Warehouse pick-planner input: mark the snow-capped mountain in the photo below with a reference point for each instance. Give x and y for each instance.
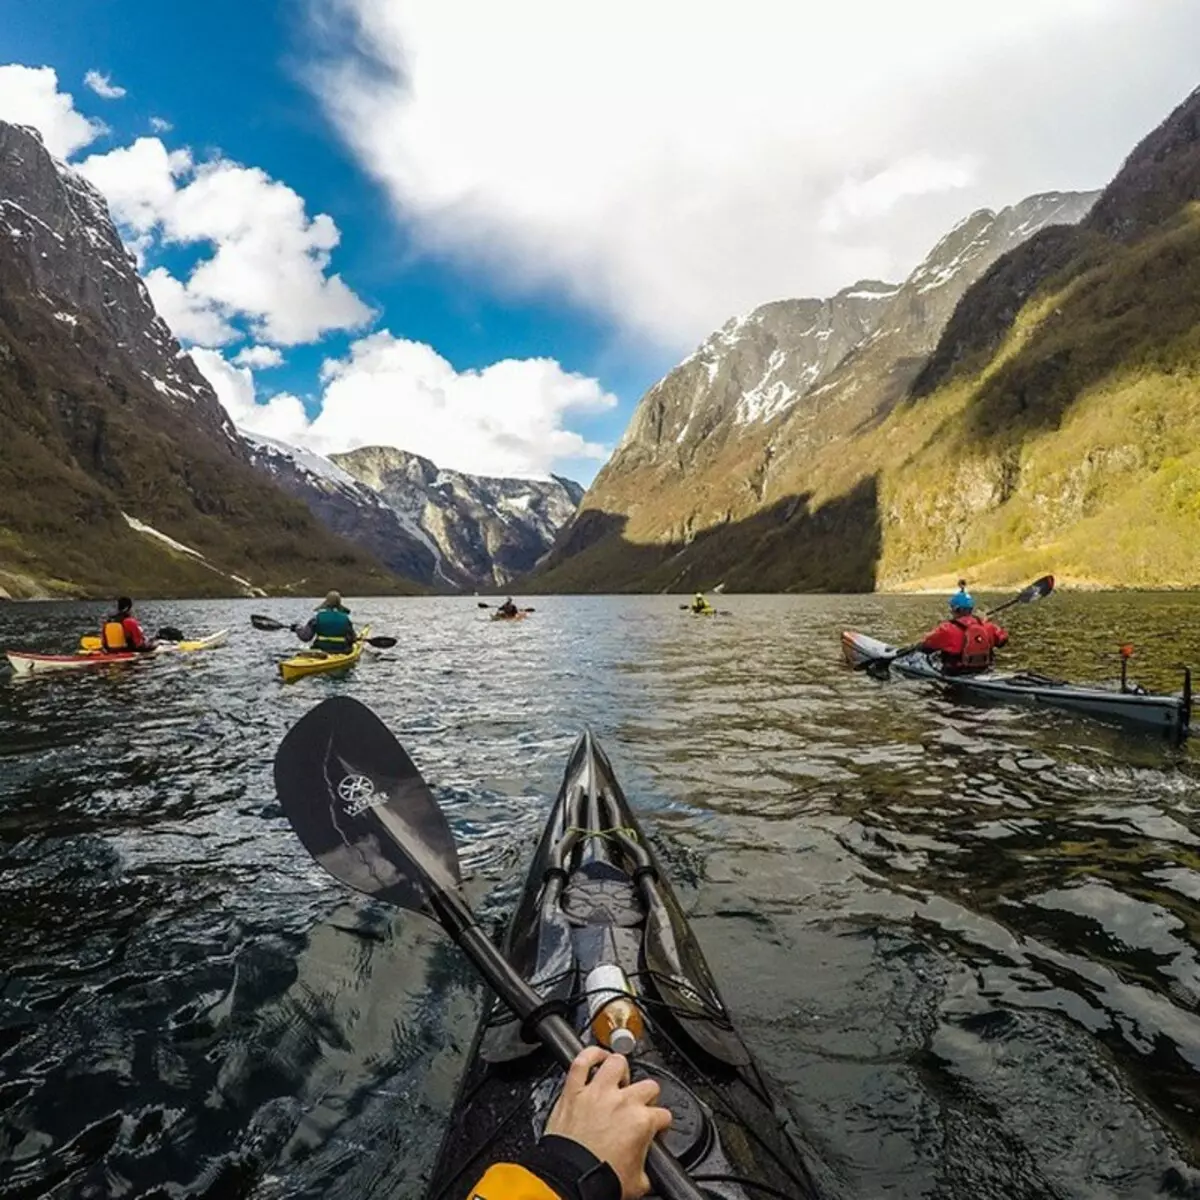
(726, 434)
(446, 529)
(119, 469)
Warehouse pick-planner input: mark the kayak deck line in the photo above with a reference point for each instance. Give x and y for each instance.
(1131, 705)
(595, 897)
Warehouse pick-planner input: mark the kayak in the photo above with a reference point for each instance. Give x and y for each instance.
(315, 662)
(595, 896)
(1171, 714)
(703, 612)
(27, 663)
(519, 615)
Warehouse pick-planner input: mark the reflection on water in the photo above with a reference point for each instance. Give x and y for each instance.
(963, 938)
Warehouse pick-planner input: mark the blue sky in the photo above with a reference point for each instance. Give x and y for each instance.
(525, 183)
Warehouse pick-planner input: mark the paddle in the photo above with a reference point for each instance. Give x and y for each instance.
(1035, 591)
(362, 810)
(269, 625)
(483, 605)
(168, 633)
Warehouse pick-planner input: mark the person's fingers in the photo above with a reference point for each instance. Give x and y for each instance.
(645, 1091)
(661, 1118)
(614, 1070)
(580, 1069)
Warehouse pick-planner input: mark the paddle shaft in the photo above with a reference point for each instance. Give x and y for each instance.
(669, 1179)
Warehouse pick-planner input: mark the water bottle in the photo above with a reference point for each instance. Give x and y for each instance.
(615, 1018)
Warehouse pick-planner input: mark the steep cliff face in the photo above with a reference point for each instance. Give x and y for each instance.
(723, 442)
(348, 508)
(1054, 426)
(485, 531)
(114, 451)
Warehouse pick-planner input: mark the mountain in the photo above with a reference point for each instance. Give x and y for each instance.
(708, 445)
(487, 531)
(119, 470)
(1028, 403)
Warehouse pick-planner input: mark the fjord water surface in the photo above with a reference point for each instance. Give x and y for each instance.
(963, 940)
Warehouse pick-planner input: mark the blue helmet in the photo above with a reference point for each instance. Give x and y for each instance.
(961, 602)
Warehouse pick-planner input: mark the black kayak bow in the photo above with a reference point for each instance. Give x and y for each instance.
(360, 806)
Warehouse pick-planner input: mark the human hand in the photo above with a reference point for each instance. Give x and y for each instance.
(615, 1119)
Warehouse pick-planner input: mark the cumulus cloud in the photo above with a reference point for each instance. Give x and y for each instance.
(281, 416)
(507, 419)
(717, 158)
(269, 261)
(30, 96)
(102, 84)
(259, 357)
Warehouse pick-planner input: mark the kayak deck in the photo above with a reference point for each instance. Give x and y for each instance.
(28, 663)
(595, 895)
(315, 662)
(1170, 714)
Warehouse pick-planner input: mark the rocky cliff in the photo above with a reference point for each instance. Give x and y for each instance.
(483, 531)
(1028, 401)
(119, 469)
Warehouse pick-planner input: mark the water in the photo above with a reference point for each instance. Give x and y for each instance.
(963, 939)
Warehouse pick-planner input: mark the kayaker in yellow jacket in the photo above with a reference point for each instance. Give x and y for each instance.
(595, 1143)
(700, 603)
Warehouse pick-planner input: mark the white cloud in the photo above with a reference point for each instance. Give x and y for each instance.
(269, 261)
(259, 357)
(508, 419)
(102, 84)
(161, 125)
(671, 163)
(30, 96)
(869, 199)
(191, 318)
(282, 416)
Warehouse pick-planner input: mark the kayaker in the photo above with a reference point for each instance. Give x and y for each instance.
(595, 1143)
(967, 643)
(330, 628)
(508, 608)
(121, 631)
(700, 603)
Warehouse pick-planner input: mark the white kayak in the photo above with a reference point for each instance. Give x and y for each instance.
(25, 662)
(1171, 714)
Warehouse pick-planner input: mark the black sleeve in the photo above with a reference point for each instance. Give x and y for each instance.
(305, 632)
(572, 1170)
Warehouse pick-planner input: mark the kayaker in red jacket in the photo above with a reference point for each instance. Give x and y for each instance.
(967, 643)
(595, 1143)
(121, 631)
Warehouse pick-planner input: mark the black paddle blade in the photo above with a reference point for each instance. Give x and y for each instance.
(484, 604)
(265, 623)
(381, 643)
(361, 808)
(1038, 588)
(168, 633)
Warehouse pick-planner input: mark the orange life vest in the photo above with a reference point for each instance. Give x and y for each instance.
(112, 636)
(977, 647)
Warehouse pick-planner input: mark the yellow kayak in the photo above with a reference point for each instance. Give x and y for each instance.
(313, 662)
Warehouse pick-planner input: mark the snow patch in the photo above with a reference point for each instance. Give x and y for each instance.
(150, 531)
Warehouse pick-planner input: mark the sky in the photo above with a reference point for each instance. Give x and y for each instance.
(479, 230)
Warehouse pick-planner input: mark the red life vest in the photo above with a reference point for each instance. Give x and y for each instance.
(977, 654)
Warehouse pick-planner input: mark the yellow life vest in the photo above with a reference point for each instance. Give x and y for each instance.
(112, 636)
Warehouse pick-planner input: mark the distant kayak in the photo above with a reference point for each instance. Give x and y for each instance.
(1171, 714)
(25, 662)
(317, 662)
(703, 612)
(520, 615)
